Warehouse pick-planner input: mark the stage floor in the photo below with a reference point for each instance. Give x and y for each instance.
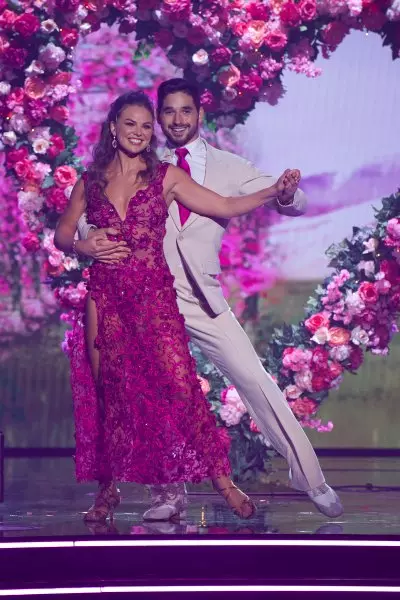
(43, 500)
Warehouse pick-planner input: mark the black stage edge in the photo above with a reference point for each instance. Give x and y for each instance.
(347, 565)
(328, 452)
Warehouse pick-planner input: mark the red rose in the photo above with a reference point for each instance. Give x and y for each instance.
(221, 56)
(57, 146)
(7, 20)
(356, 358)
(62, 77)
(304, 407)
(319, 382)
(391, 270)
(308, 9)
(334, 33)
(3, 5)
(317, 321)
(320, 358)
(37, 111)
(26, 25)
(290, 15)
(208, 101)
(250, 84)
(24, 170)
(196, 36)
(238, 28)
(14, 156)
(276, 40)
(69, 37)
(67, 5)
(164, 38)
(65, 176)
(373, 18)
(15, 56)
(56, 199)
(338, 336)
(59, 113)
(31, 242)
(258, 11)
(15, 98)
(335, 370)
(177, 10)
(368, 292)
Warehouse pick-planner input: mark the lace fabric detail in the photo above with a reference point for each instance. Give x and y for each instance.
(157, 426)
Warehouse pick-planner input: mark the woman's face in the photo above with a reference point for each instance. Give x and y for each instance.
(133, 129)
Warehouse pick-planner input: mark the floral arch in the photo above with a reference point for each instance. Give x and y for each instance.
(237, 51)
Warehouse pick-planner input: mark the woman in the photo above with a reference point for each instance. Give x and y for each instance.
(152, 422)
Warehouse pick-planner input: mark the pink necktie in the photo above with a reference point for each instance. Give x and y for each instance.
(181, 153)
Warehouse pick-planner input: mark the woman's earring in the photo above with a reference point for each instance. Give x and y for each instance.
(148, 149)
(114, 143)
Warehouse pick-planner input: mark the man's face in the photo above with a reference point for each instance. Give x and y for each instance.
(179, 119)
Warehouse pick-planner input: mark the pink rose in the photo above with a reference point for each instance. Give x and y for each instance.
(24, 169)
(7, 20)
(208, 101)
(303, 380)
(177, 10)
(320, 382)
(56, 199)
(35, 88)
(308, 9)
(69, 37)
(338, 336)
(292, 392)
(290, 15)
(393, 228)
(59, 113)
(276, 40)
(368, 292)
(221, 56)
(320, 357)
(340, 353)
(14, 156)
(65, 176)
(228, 76)
(334, 33)
(335, 370)
(15, 56)
(317, 321)
(391, 270)
(304, 407)
(255, 33)
(31, 242)
(253, 427)
(57, 145)
(295, 358)
(258, 11)
(37, 111)
(26, 24)
(394, 302)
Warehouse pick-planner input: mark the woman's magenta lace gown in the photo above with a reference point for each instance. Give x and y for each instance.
(157, 425)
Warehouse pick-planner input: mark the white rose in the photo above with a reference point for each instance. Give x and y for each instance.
(340, 353)
(48, 26)
(5, 88)
(70, 263)
(200, 57)
(321, 336)
(9, 138)
(359, 336)
(292, 392)
(40, 146)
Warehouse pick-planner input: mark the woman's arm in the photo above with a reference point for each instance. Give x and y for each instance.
(66, 227)
(179, 186)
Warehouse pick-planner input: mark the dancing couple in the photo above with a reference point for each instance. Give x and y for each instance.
(155, 233)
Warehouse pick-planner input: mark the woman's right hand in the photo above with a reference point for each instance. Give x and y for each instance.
(287, 184)
(99, 247)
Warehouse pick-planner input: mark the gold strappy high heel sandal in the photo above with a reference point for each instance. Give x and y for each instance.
(106, 502)
(241, 505)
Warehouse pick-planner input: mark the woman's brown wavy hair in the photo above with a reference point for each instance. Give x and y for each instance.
(103, 152)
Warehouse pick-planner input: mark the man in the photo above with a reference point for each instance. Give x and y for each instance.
(192, 245)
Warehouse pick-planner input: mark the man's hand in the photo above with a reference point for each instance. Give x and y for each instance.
(99, 247)
(287, 185)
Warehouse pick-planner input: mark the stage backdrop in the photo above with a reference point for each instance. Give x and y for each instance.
(341, 130)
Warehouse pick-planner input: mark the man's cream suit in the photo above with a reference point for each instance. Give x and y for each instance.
(192, 253)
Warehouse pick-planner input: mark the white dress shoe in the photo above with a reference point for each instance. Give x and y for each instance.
(326, 500)
(168, 502)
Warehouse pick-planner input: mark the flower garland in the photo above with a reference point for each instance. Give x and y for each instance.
(355, 310)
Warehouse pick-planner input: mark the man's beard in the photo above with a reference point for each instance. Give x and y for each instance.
(191, 133)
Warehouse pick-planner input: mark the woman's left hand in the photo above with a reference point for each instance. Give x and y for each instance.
(287, 184)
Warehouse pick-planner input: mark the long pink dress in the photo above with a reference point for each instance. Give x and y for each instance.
(157, 425)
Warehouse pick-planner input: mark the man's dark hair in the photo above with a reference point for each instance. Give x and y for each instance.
(171, 86)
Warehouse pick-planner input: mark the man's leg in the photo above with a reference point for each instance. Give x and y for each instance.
(226, 344)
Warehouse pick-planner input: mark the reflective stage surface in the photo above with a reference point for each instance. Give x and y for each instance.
(42, 499)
